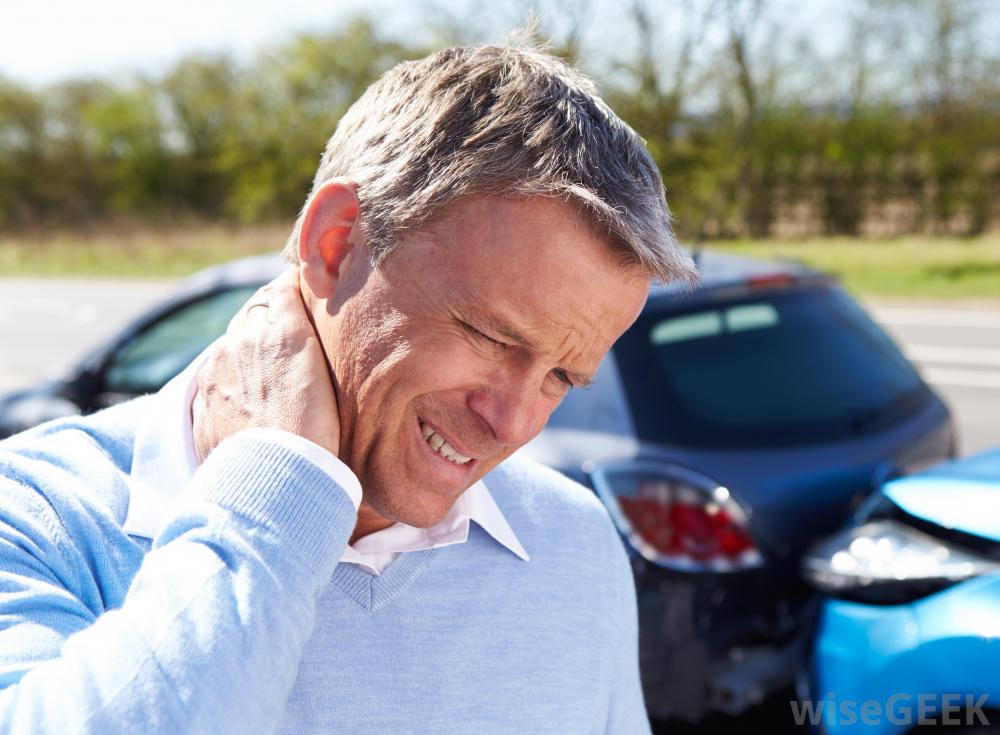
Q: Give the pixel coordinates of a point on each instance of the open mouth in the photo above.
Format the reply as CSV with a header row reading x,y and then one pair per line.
x,y
438,444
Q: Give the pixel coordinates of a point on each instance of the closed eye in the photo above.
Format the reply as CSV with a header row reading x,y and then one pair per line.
x,y
560,374
485,337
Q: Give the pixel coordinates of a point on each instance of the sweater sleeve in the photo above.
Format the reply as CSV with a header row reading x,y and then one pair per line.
x,y
627,712
210,633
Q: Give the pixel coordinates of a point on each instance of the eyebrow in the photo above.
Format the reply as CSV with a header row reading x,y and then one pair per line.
x,y
505,330
497,326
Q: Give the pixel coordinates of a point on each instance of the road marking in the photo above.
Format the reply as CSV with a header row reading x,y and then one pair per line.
x,y
976,318
953,355
961,378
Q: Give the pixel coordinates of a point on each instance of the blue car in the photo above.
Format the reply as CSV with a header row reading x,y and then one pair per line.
x,y
910,633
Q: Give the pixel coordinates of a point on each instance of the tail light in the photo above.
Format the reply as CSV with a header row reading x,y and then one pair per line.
x,y
677,518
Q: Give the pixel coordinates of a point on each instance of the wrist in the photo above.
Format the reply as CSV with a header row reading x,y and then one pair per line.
x,y
256,476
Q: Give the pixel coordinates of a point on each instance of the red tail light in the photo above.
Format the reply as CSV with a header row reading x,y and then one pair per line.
x,y
677,518
680,528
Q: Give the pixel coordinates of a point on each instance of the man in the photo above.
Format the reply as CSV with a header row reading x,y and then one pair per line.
x,y
318,527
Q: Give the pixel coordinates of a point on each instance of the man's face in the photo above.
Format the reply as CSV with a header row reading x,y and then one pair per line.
x,y
470,332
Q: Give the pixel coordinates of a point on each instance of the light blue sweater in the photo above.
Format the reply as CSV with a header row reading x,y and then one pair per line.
x,y
239,619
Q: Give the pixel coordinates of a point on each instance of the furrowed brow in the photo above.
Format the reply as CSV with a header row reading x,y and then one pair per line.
x,y
508,332
503,329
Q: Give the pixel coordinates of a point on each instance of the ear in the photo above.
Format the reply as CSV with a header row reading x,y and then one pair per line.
x,y
328,234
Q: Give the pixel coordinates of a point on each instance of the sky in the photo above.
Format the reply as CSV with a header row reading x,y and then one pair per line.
x,y
49,40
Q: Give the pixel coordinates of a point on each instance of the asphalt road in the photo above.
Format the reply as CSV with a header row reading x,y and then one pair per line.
x,y
46,324
957,350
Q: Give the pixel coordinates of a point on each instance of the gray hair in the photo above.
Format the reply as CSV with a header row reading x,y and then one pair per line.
x,y
505,121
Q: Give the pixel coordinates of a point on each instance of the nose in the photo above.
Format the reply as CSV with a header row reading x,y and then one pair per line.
x,y
514,408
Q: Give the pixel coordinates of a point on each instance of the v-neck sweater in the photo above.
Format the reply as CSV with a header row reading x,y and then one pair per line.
x,y
237,618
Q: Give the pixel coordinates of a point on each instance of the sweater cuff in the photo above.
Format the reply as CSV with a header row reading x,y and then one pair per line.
x,y
274,486
339,472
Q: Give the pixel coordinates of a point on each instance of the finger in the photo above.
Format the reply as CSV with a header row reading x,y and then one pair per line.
x,y
278,302
287,309
285,297
243,317
259,301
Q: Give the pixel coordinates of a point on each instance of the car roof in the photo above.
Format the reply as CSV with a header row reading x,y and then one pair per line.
x,y
245,271
717,269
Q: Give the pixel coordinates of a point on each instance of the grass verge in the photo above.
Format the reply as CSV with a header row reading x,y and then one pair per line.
x,y
134,253
910,267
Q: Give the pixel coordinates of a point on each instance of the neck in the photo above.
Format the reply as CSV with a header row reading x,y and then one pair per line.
x,y
368,522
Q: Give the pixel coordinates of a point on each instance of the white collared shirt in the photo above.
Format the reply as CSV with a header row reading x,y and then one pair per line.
x,y
164,462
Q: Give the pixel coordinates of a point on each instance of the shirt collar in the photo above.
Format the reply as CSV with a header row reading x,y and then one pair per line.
x,y
164,462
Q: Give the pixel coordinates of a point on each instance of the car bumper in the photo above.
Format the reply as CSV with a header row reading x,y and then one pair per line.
x,y
903,659
716,643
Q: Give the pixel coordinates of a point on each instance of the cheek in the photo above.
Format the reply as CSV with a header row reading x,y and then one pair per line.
x,y
437,365
387,376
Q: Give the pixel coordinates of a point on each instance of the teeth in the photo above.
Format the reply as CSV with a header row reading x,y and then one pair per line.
x,y
448,452
439,445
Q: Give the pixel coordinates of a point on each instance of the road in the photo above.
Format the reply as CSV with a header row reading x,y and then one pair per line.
x,y
45,324
957,350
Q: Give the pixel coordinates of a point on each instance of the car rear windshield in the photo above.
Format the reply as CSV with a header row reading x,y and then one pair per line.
x,y
790,367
